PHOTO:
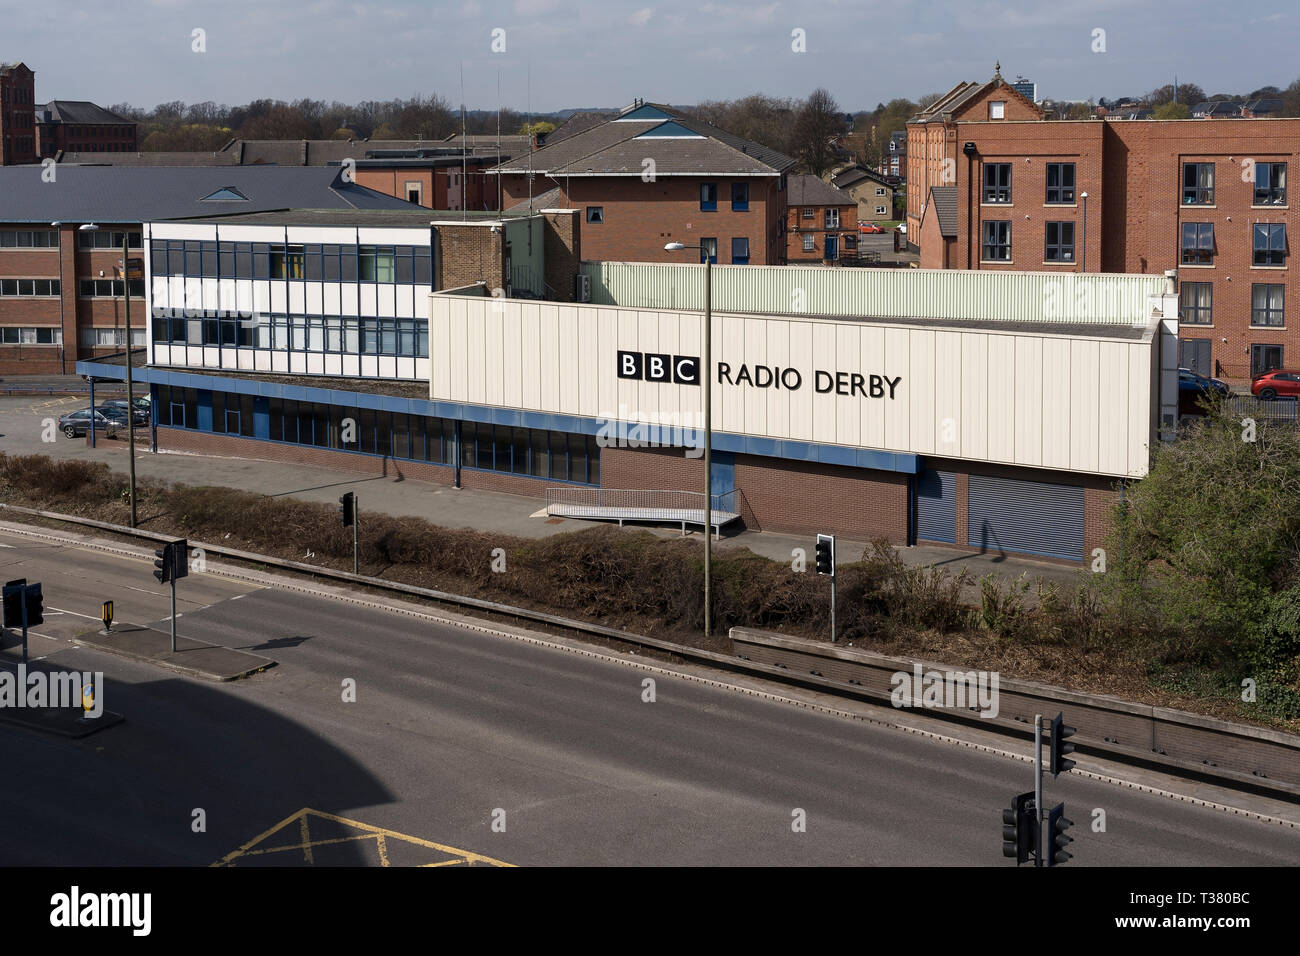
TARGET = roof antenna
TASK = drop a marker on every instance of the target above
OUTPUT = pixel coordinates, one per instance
(464, 161)
(499, 203)
(529, 107)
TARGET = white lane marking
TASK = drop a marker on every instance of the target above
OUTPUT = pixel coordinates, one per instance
(6, 545)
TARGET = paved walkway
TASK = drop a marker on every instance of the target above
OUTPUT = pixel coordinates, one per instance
(21, 420)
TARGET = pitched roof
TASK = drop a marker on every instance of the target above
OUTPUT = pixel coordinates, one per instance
(551, 199)
(963, 95)
(577, 123)
(1217, 108)
(1268, 104)
(126, 194)
(677, 144)
(813, 191)
(943, 203)
(80, 112)
(855, 174)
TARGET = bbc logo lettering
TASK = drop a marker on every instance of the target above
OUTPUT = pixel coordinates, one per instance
(656, 367)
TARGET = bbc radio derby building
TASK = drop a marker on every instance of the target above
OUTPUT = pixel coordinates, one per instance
(996, 411)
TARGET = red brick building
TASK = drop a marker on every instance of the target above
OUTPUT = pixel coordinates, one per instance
(17, 114)
(822, 222)
(652, 176)
(78, 126)
(933, 149)
(1207, 199)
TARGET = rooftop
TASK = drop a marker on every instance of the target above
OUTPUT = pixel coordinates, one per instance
(410, 218)
(805, 190)
(80, 112)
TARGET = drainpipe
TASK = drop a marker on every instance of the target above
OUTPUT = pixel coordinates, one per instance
(971, 235)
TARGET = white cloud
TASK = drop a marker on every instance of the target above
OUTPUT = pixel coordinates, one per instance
(642, 16)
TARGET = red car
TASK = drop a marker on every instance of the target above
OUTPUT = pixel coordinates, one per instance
(869, 227)
(1277, 382)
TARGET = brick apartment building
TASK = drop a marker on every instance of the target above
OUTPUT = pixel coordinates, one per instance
(652, 176)
(60, 292)
(75, 125)
(1206, 198)
(17, 114)
(933, 150)
(822, 221)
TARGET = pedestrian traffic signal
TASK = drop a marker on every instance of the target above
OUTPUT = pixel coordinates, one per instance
(825, 554)
(35, 604)
(13, 602)
(1060, 734)
(1057, 824)
(172, 563)
(348, 508)
(1020, 828)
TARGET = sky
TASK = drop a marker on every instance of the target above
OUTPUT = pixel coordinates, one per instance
(546, 55)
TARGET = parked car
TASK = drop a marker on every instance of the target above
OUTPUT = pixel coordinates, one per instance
(869, 227)
(902, 228)
(75, 424)
(1275, 383)
(140, 415)
(1189, 381)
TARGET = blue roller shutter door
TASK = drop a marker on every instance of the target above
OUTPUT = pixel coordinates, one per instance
(1027, 517)
(936, 506)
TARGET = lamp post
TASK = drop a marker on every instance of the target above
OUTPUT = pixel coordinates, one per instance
(130, 395)
(708, 426)
(63, 352)
(1084, 261)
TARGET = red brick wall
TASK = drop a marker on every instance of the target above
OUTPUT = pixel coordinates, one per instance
(797, 227)
(562, 247)
(393, 182)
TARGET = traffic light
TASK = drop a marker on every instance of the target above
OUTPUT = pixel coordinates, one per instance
(1060, 733)
(348, 508)
(1057, 824)
(172, 563)
(13, 602)
(1019, 826)
(35, 604)
(825, 554)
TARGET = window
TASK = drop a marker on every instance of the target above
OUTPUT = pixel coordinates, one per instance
(29, 287)
(850, 240)
(414, 191)
(881, 211)
(1264, 358)
(997, 241)
(1198, 243)
(709, 250)
(740, 251)
(1266, 304)
(708, 197)
(832, 219)
(595, 214)
(1270, 184)
(809, 243)
(1197, 301)
(1198, 184)
(740, 197)
(808, 213)
(1060, 183)
(375, 263)
(12, 335)
(28, 239)
(997, 182)
(1060, 242)
(998, 109)
(104, 239)
(1270, 244)
(287, 262)
(880, 190)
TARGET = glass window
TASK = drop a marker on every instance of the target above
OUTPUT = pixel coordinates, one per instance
(1266, 304)
(541, 456)
(321, 424)
(1270, 184)
(1198, 243)
(998, 109)
(595, 214)
(809, 243)
(997, 241)
(1060, 242)
(468, 444)
(375, 263)
(401, 447)
(519, 445)
(832, 219)
(1198, 184)
(1270, 244)
(708, 197)
(246, 415)
(740, 251)
(1197, 301)
(709, 250)
(365, 431)
(287, 262)
(383, 433)
(740, 197)
(1060, 182)
(997, 182)
(275, 419)
(219, 412)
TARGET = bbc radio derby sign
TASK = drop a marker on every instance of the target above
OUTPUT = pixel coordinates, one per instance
(685, 370)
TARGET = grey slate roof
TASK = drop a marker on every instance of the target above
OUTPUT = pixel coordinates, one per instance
(551, 199)
(855, 174)
(126, 194)
(80, 112)
(812, 191)
(575, 124)
(943, 202)
(612, 148)
(217, 158)
(1217, 108)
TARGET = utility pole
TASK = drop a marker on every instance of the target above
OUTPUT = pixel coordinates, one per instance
(130, 399)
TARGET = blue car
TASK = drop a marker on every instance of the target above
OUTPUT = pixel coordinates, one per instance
(1189, 381)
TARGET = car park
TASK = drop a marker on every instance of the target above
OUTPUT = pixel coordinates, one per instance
(140, 415)
(75, 424)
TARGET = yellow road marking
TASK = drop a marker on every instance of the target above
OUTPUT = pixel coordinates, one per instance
(380, 835)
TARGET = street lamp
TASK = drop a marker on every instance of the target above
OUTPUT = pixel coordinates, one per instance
(63, 350)
(130, 395)
(1084, 262)
(708, 424)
